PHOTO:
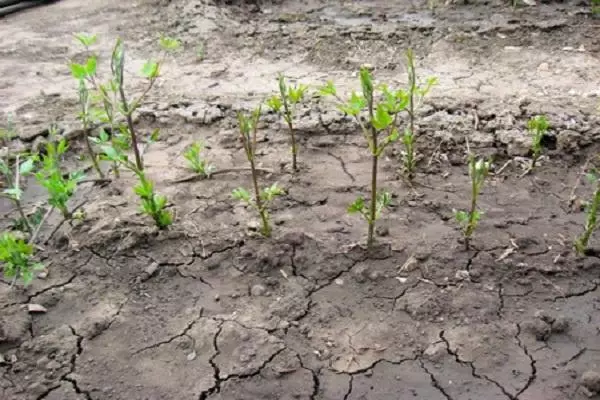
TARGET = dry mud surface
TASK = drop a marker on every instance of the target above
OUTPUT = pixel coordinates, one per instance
(306, 314)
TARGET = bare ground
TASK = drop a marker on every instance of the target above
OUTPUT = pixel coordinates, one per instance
(306, 314)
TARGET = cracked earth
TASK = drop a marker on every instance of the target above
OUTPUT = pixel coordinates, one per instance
(208, 310)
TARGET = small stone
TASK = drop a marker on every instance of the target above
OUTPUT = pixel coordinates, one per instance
(339, 281)
(253, 225)
(560, 324)
(258, 290)
(375, 275)
(382, 231)
(369, 372)
(539, 328)
(36, 308)
(591, 380)
(191, 356)
(462, 275)
(543, 67)
(217, 297)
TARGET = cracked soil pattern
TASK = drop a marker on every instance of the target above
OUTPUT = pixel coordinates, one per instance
(308, 314)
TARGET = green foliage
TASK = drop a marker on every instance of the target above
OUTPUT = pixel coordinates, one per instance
(16, 257)
(196, 162)
(591, 210)
(468, 220)
(169, 43)
(248, 127)
(60, 186)
(284, 104)
(85, 39)
(538, 127)
(382, 110)
(416, 95)
(153, 205)
(596, 8)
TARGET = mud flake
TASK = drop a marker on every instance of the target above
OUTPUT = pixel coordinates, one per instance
(243, 351)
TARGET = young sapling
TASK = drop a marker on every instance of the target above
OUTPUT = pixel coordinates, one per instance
(13, 190)
(16, 257)
(248, 126)
(81, 72)
(591, 222)
(538, 127)
(416, 94)
(285, 104)
(196, 162)
(381, 120)
(60, 186)
(468, 220)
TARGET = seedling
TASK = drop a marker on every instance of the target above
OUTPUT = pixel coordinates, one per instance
(591, 222)
(153, 204)
(13, 183)
(381, 120)
(80, 72)
(537, 126)
(196, 162)
(248, 126)
(416, 95)
(285, 104)
(60, 187)
(16, 258)
(468, 220)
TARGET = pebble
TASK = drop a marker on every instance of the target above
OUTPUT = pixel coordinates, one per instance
(258, 290)
(591, 380)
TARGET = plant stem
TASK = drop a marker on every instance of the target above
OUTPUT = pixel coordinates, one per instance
(294, 145)
(375, 158)
(89, 148)
(581, 243)
(126, 110)
(17, 202)
(412, 82)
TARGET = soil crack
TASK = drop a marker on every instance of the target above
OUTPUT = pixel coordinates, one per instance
(435, 382)
(171, 339)
(471, 365)
(532, 362)
(343, 164)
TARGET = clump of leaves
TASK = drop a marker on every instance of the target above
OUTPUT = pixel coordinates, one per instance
(16, 257)
(153, 204)
(416, 95)
(248, 126)
(596, 8)
(468, 220)
(196, 162)
(13, 191)
(538, 127)
(379, 130)
(59, 185)
(591, 222)
(284, 104)
(112, 94)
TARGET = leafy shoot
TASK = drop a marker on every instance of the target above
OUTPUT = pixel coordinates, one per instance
(196, 162)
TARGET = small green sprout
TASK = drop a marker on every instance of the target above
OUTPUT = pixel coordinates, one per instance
(153, 205)
(85, 39)
(60, 188)
(538, 127)
(196, 162)
(591, 222)
(13, 180)
(381, 121)
(169, 43)
(478, 172)
(284, 104)
(416, 94)
(16, 258)
(200, 52)
(248, 126)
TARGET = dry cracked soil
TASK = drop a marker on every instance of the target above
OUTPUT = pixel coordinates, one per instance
(208, 310)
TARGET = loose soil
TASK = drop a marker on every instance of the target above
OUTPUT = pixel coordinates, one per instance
(209, 310)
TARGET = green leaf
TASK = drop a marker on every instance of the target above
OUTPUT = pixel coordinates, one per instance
(169, 44)
(274, 103)
(85, 39)
(154, 135)
(382, 119)
(78, 71)
(13, 193)
(358, 206)
(269, 193)
(150, 69)
(355, 105)
(366, 82)
(296, 94)
(591, 177)
(328, 89)
(241, 194)
(27, 167)
(111, 153)
(90, 66)
(461, 216)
